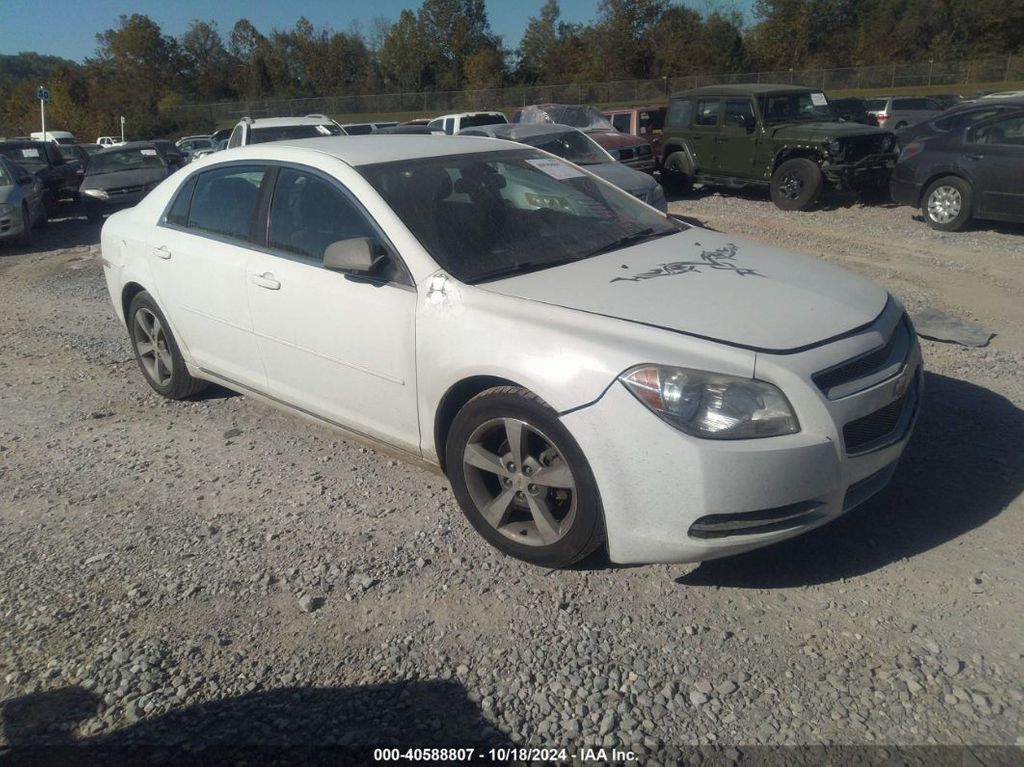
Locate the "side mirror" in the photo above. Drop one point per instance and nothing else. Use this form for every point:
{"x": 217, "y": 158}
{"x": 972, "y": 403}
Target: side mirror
{"x": 358, "y": 255}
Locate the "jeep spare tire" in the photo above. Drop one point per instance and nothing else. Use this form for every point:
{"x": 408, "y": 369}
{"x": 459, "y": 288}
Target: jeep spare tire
{"x": 796, "y": 184}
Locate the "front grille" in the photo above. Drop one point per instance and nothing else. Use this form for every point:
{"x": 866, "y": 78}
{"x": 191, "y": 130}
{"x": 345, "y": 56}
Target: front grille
{"x": 884, "y": 426}
{"x": 643, "y": 151}
{"x": 894, "y": 351}
{"x": 857, "y": 147}
{"x": 626, "y": 153}
{"x": 756, "y": 522}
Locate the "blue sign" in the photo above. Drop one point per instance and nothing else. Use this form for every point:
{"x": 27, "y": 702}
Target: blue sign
{"x": 42, "y": 94}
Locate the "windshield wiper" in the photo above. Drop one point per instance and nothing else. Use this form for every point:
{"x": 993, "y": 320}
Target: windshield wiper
{"x": 632, "y": 239}
{"x": 520, "y": 267}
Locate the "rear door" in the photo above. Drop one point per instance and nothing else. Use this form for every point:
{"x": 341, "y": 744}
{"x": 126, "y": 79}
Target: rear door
{"x": 736, "y": 143}
{"x": 994, "y": 151}
{"x": 198, "y": 257}
{"x": 337, "y": 346}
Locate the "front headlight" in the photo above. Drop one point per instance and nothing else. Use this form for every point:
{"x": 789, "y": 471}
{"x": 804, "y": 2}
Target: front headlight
{"x": 6, "y": 209}
{"x": 100, "y": 193}
{"x": 712, "y": 405}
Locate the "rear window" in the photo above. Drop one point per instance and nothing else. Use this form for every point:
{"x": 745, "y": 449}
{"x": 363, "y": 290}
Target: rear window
{"x": 285, "y": 132}
{"x": 621, "y": 122}
{"x": 652, "y": 121}
{"x": 30, "y": 157}
{"x": 876, "y": 105}
{"x": 224, "y": 201}
{"x": 358, "y": 130}
{"x": 471, "y": 121}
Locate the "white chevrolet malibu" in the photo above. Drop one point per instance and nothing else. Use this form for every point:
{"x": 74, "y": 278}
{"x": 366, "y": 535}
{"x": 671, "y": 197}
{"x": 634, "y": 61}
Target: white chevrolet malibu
{"x": 585, "y": 370}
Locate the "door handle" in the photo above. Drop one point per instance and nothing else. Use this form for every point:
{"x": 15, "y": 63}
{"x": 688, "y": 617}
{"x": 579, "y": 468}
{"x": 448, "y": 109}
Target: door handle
{"x": 266, "y": 280}
{"x": 162, "y": 252}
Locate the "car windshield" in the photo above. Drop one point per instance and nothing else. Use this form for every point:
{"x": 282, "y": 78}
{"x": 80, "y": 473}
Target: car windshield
{"x": 28, "y": 157}
{"x": 116, "y": 160}
{"x": 489, "y": 215}
{"x": 285, "y": 132}
{"x": 795, "y": 107}
{"x": 578, "y": 116}
{"x": 5, "y": 177}
{"x": 572, "y": 146}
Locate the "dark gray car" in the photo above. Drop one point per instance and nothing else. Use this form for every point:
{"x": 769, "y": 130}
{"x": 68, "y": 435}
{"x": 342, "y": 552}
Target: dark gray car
{"x": 121, "y": 176}
{"x": 577, "y": 147}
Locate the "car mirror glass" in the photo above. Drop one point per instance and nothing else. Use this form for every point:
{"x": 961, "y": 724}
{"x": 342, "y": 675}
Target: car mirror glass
{"x": 356, "y": 255}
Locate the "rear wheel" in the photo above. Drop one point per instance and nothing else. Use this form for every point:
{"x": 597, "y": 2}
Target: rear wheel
{"x": 796, "y": 184}
{"x": 25, "y": 238}
{"x": 947, "y": 204}
{"x": 674, "y": 175}
{"x": 521, "y": 479}
{"x": 157, "y": 352}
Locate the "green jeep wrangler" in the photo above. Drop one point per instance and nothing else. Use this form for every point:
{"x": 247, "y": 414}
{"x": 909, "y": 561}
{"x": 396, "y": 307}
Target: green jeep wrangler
{"x": 781, "y": 136}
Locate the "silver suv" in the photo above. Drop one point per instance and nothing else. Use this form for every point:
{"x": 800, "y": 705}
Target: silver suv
{"x": 895, "y": 112}
{"x": 250, "y": 131}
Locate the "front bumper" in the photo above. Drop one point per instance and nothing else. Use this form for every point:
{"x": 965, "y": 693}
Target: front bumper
{"x": 11, "y": 225}
{"x": 903, "y": 186}
{"x": 874, "y": 169}
{"x": 669, "y": 497}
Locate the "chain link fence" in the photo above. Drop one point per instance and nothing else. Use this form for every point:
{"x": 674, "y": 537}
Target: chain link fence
{"x": 958, "y": 76}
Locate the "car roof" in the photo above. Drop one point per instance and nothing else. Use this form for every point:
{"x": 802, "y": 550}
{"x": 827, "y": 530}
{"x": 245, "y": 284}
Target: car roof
{"x": 132, "y": 145}
{"x": 519, "y": 131}
{"x": 370, "y": 149}
{"x": 277, "y": 122}
{"x": 744, "y": 89}
{"x": 27, "y": 143}
{"x": 467, "y": 114}
{"x": 632, "y": 109}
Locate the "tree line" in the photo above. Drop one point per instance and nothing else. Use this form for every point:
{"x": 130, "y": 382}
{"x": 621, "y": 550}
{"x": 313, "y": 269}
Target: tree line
{"x": 140, "y": 72}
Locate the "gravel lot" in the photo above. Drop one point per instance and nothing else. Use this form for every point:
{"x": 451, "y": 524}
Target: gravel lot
{"x": 216, "y": 573}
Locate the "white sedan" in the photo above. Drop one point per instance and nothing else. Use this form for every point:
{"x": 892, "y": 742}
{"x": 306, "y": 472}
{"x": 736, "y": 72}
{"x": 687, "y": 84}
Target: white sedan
{"x": 584, "y": 369}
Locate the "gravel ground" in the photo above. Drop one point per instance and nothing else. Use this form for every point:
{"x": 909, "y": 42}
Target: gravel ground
{"x": 216, "y": 573}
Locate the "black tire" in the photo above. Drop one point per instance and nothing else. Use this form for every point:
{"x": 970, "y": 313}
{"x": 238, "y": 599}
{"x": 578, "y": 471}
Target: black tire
{"x": 50, "y": 204}
{"x": 178, "y": 384}
{"x": 578, "y": 511}
{"x": 796, "y": 184}
{"x": 938, "y": 200}
{"x": 25, "y": 238}
{"x": 674, "y": 177}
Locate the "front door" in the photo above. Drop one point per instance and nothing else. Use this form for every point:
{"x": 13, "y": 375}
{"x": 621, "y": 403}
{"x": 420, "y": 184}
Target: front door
{"x": 995, "y": 153}
{"x": 339, "y": 347}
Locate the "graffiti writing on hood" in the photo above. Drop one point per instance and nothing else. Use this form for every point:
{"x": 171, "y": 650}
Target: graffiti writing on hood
{"x": 721, "y": 258}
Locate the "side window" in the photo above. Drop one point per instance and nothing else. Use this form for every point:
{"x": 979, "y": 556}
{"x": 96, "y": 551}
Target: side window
{"x": 224, "y": 201}
{"x": 930, "y": 104}
{"x": 707, "y": 112}
{"x": 236, "y": 137}
{"x": 679, "y": 113}
{"x": 177, "y": 214}
{"x": 739, "y": 114}
{"x": 1007, "y": 131}
{"x": 308, "y": 213}
{"x": 449, "y": 125}
{"x": 621, "y": 122}
{"x": 438, "y": 123}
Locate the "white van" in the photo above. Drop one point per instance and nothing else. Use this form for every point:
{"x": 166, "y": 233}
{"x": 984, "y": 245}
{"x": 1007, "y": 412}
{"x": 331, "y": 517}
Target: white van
{"x": 56, "y": 136}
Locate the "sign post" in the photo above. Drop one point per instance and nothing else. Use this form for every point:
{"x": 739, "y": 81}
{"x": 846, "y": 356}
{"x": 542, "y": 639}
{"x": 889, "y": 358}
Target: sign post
{"x": 122, "y": 129}
{"x": 44, "y": 96}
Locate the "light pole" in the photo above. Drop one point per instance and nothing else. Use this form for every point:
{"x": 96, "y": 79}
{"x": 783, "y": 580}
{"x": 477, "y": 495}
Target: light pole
{"x": 930, "y": 62}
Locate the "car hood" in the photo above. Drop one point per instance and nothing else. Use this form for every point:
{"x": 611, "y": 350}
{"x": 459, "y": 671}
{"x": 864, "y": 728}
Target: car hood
{"x": 823, "y": 130}
{"x": 623, "y": 176}
{"x": 613, "y": 139}
{"x": 708, "y": 285}
{"x": 123, "y": 178}
{"x": 8, "y": 193}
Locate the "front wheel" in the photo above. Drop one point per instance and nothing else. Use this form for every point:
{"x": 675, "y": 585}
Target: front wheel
{"x": 674, "y": 176}
{"x": 157, "y": 352}
{"x": 521, "y": 479}
{"x": 946, "y": 204}
{"x": 25, "y": 238}
{"x": 796, "y": 184}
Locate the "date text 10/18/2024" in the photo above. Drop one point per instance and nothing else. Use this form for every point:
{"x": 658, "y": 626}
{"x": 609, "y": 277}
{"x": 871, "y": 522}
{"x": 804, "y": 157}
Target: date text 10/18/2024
{"x": 502, "y": 754}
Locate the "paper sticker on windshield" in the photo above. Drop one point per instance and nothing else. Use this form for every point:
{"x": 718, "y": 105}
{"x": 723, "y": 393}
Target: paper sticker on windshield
{"x": 149, "y": 152}
{"x": 819, "y": 100}
{"x": 29, "y": 152}
{"x": 556, "y": 168}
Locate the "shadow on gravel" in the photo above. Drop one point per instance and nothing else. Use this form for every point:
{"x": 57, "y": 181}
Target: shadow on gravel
{"x": 977, "y": 225}
{"x": 962, "y": 468}
{"x": 288, "y": 726}
{"x": 829, "y": 199}
{"x": 215, "y": 392}
{"x": 58, "y": 234}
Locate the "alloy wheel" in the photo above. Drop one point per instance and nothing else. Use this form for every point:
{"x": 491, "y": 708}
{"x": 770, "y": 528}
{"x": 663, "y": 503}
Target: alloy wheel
{"x": 151, "y": 344}
{"x": 791, "y": 185}
{"x": 520, "y": 482}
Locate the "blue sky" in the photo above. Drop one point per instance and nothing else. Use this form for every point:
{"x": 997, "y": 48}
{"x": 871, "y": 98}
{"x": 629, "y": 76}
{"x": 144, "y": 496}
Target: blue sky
{"x": 68, "y": 27}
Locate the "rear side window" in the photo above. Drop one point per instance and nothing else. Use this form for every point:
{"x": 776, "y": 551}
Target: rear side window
{"x": 224, "y": 201}
{"x": 1008, "y": 131}
{"x": 177, "y": 214}
{"x": 307, "y": 214}
{"x": 621, "y": 122}
{"x": 739, "y": 113}
{"x": 679, "y": 113}
{"x": 651, "y": 122}
{"x": 707, "y": 112}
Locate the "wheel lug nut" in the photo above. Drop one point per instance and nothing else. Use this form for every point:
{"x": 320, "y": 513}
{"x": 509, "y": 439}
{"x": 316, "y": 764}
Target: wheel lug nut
{"x": 527, "y": 470}
{"x": 511, "y": 467}
{"x": 533, "y": 489}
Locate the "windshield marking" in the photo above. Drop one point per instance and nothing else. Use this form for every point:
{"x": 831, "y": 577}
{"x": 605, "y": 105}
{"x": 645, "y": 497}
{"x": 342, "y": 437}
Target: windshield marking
{"x": 720, "y": 258}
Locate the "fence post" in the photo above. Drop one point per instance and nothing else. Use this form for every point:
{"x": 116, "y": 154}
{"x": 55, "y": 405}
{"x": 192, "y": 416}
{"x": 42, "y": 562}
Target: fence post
{"x": 823, "y": 78}
{"x": 893, "y": 82}
{"x": 1006, "y": 75}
